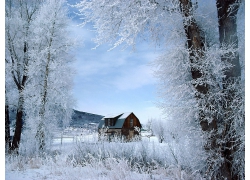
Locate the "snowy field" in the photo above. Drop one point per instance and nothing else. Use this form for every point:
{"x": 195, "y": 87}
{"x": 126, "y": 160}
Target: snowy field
{"x": 79, "y": 155}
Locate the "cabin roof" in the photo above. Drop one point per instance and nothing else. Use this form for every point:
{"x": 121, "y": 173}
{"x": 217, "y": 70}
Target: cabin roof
{"x": 125, "y": 115}
{"x": 112, "y": 115}
{"x": 119, "y": 123}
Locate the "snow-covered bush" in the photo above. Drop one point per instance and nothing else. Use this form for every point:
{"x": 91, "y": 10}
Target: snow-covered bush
{"x": 141, "y": 154}
{"x": 59, "y": 168}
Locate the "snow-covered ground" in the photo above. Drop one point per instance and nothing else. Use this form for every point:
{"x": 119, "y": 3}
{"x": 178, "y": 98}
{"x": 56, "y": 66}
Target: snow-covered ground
{"x": 77, "y": 154}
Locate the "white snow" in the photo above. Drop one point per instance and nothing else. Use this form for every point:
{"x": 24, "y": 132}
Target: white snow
{"x": 112, "y": 115}
{"x": 63, "y": 166}
{"x": 125, "y": 115}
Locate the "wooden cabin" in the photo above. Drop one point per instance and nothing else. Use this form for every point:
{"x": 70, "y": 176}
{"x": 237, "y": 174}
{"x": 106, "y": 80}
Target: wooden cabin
{"x": 125, "y": 125}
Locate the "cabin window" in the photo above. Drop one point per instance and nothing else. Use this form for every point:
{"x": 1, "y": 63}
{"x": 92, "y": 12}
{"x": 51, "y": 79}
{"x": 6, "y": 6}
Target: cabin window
{"x": 131, "y": 123}
{"x": 108, "y": 122}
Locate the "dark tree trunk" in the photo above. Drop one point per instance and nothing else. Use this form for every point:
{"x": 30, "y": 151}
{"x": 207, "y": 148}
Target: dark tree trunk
{"x": 196, "y": 45}
{"x": 7, "y": 129}
{"x": 18, "y": 130}
{"x": 19, "y": 122}
{"x": 19, "y": 115}
{"x": 227, "y": 12}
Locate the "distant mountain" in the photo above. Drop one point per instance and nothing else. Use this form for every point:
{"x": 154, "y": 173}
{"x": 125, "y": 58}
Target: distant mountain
{"x": 84, "y": 119}
{"x": 79, "y": 119}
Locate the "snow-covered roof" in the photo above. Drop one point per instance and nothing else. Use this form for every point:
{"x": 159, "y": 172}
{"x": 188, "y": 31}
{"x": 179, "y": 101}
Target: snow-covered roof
{"x": 113, "y": 115}
{"x": 125, "y": 115}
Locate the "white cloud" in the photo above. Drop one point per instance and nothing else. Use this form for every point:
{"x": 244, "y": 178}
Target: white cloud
{"x": 97, "y": 65}
{"x": 134, "y": 77}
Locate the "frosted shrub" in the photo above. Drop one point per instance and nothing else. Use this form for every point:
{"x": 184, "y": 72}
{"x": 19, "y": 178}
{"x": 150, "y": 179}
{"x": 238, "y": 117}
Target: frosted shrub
{"x": 14, "y": 162}
{"x": 23, "y": 162}
{"x": 104, "y": 161}
{"x": 144, "y": 156}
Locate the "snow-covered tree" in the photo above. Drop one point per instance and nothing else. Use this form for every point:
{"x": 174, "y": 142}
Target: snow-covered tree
{"x": 149, "y": 126}
{"x": 38, "y": 60}
{"x": 199, "y": 71}
{"x": 49, "y": 99}
{"x": 19, "y": 16}
{"x": 158, "y": 127}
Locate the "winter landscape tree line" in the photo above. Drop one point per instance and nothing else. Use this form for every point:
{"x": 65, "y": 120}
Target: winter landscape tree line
{"x": 200, "y": 71}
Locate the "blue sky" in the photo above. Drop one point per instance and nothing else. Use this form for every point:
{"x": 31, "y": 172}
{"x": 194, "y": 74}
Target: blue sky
{"x": 120, "y": 80}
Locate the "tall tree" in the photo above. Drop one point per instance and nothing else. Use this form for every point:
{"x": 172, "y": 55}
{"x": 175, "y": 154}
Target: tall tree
{"x": 19, "y": 16}
{"x": 50, "y": 72}
{"x": 227, "y": 19}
